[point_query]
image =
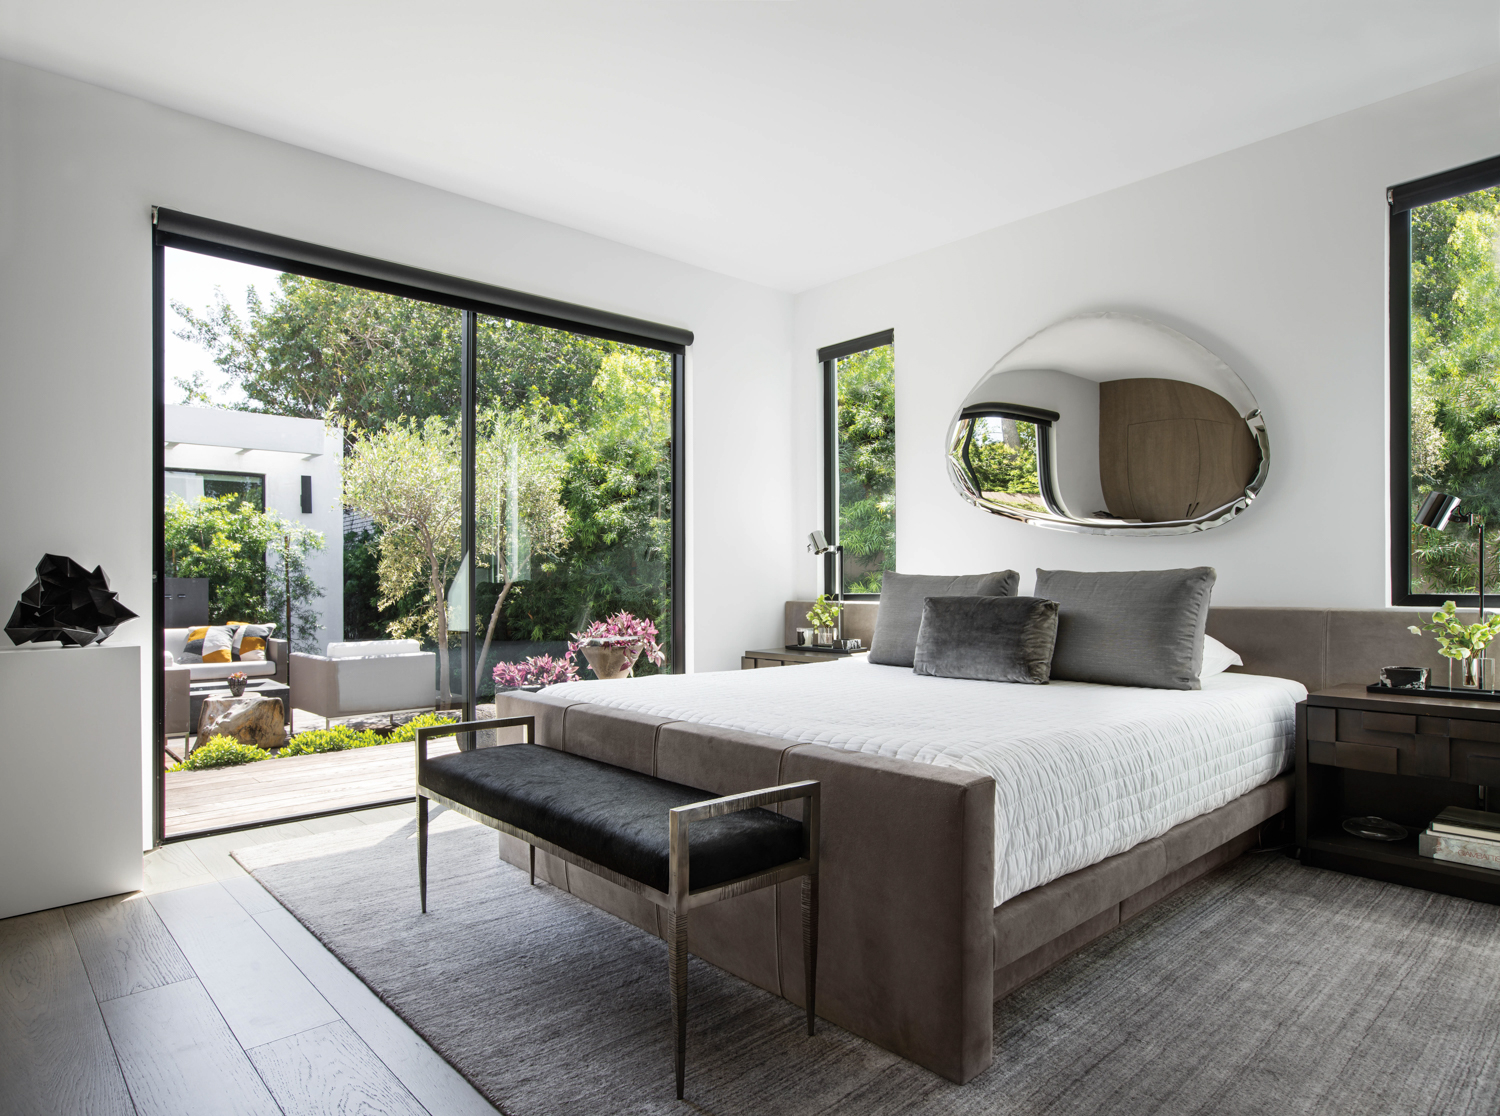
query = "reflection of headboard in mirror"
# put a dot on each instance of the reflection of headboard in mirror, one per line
(1170, 450)
(1149, 432)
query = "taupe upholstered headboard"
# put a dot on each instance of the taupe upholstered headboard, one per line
(1319, 647)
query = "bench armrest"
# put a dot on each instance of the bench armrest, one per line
(437, 732)
(680, 816)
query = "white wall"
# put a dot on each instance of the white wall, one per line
(283, 450)
(1273, 256)
(80, 168)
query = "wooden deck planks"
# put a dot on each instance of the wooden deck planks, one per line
(287, 787)
(55, 1055)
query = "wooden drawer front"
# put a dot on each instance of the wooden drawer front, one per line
(1321, 725)
(1366, 757)
(1388, 722)
(1322, 751)
(1429, 757)
(1474, 730)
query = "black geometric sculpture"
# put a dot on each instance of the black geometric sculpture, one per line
(66, 602)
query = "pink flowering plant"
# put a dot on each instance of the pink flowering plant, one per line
(624, 631)
(539, 670)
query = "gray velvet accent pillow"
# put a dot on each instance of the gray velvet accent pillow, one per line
(900, 617)
(995, 639)
(1143, 628)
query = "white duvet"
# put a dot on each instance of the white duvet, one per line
(1081, 771)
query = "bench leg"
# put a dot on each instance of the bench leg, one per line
(810, 946)
(677, 956)
(533, 864)
(422, 849)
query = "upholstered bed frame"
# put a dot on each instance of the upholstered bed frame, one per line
(913, 952)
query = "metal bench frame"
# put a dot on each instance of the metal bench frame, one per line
(678, 899)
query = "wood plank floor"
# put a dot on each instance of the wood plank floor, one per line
(202, 995)
(287, 787)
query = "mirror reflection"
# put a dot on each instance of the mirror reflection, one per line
(1110, 424)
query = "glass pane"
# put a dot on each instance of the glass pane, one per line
(1002, 459)
(867, 466)
(573, 495)
(282, 388)
(1455, 384)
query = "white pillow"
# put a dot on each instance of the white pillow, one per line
(1217, 658)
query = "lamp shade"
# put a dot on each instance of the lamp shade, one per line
(1436, 510)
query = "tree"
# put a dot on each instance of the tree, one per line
(229, 541)
(406, 478)
(1455, 385)
(867, 466)
(1003, 457)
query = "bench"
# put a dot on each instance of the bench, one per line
(631, 829)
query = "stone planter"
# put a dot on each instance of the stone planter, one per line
(611, 661)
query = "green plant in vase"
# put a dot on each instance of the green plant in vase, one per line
(1459, 641)
(824, 616)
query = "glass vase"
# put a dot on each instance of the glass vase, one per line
(1473, 673)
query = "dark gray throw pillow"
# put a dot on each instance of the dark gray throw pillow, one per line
(994, 639)
(900, 617)
(1141, 628)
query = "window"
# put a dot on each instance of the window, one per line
(1445, 377)
(479, 470)
(859, 479)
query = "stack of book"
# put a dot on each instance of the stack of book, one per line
(1464, 837)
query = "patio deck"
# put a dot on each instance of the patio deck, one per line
(291, 786)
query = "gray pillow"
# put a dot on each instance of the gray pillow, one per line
(900, 617)
(996, 639)
(1143, 628)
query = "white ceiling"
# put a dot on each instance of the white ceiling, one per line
(789, 142)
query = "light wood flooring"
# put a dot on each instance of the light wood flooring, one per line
(290, 786)
(201, 995)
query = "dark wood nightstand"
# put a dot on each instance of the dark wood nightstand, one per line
(1402, 757)
(775, 657)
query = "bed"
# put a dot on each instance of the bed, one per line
(974, 833)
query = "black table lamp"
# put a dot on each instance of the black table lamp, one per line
(819, 545)
(1436, 510)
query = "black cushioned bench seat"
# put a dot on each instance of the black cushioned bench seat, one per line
(613, 816)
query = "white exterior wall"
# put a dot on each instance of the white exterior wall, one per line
(80, 168)
(1273, 256)
(283, 450)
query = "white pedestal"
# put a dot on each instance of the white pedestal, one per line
(70, 776)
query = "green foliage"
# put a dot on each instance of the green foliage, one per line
(242, 551)
(867, 466)
(220, 751)
(1455, 384)
(1003, 457)
(824, 613)
(335, 739)
(591, 419)
(1455, 640)
(408, 732)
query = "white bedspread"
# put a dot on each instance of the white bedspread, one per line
(1081, 772)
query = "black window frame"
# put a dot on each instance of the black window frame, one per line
(829, 357)
(174, 229)
(223, 473)
(1402, 200)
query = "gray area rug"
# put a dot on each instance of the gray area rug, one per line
(1264, 988)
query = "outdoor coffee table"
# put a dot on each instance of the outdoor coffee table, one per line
(267, 688)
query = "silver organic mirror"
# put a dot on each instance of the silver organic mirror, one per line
(1110, 424)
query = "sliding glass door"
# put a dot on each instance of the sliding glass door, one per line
(379, 505)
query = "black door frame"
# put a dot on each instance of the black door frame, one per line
(171, 229)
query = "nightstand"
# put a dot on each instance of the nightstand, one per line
(1402, 757)
(776, 657)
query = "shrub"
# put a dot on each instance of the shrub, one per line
(539, 670)
(220, 751)
(339, 738)
(408, 732)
